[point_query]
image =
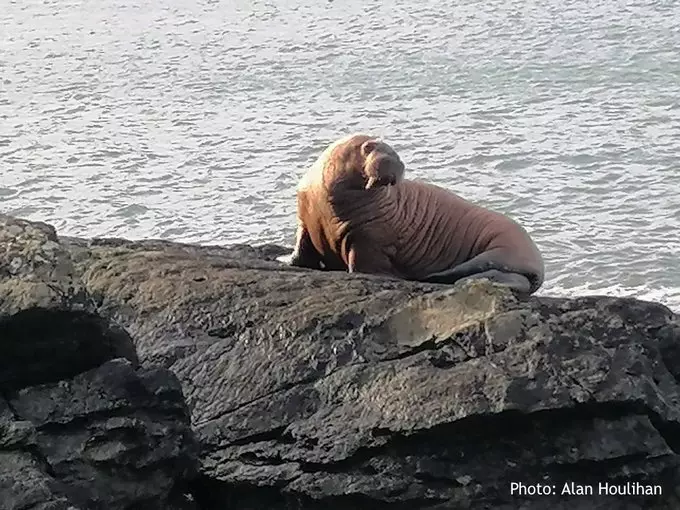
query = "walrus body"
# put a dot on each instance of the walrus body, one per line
(418, 231)
(357, 213)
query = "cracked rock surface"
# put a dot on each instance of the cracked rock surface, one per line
(82, 426)
(313, 389)
(320, 390)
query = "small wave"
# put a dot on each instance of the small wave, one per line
(668, 296)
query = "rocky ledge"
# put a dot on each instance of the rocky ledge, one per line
(159, 375)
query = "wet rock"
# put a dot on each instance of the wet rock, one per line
(49, 328)
(111, 437)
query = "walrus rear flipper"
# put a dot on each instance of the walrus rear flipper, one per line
(517, 282)
(484, 266)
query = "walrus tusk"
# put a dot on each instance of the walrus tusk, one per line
(371, 182)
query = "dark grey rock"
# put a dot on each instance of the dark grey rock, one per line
(113, 436)
(82, 426)
(49, 328)
(313, 389)
(323, 390)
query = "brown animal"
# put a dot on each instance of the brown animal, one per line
(409, 229)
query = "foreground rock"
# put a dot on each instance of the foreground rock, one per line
(81, 426)
(324, 390)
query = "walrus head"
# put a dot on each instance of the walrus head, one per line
(355, 162)
(382, 165)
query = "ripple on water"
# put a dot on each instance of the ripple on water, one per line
(194, 120)
(132, 210)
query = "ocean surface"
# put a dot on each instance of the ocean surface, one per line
(192, 120)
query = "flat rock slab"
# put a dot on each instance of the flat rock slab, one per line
(312, 389)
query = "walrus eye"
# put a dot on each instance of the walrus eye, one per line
(367, 147)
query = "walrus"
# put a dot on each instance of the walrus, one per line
(356, 218)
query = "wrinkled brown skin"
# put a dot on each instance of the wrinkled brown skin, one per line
(418, 231)
(406, 229)
(354, 163)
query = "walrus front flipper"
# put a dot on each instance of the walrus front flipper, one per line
(304, 254)
(364, 258)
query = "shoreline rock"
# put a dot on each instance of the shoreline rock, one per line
(312, 389)
(82, 425)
